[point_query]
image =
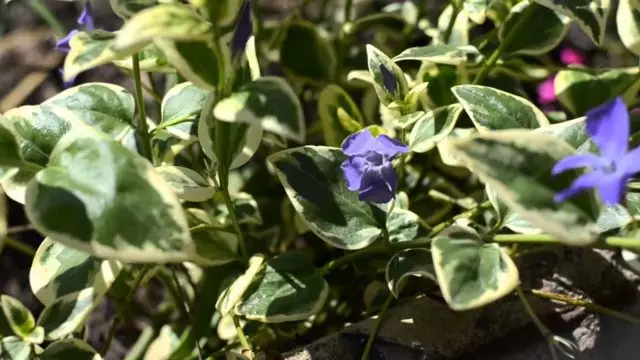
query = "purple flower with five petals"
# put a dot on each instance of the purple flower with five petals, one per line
(368, 169)
(608, 127)
(86, 17)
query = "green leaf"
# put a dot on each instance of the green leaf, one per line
(472, 274)
(174, 22)
(220, 12)
(580, 91)
(127, 8)
(459, 32)
(306, 54)
(70, 349)
(104, 106)
(440, 79)
(404, 225)
(493, 109)
(375, 59)
(200, 62)
(442, 54)
(315, 184)
(238, 142)
(187, 184)
(517, 165)
(628, 24)
(213, 247)
(406, 264)
(289, 289)
(87, 51)
(232, 295)
(476, 9)
(434, 126)
(92, 188)
(67, 314)
(58, 270)
(151, 58)
(38, 129)
(574, 132)
(546, 29)
(21, 320)
(13, 348)
(331, 100)
(268, 101)
(245, 206)
(180, 109)
(590, 15)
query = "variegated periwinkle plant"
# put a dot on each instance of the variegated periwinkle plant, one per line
(240, 178)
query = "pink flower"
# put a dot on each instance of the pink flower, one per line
(570, 56)
(546, 95)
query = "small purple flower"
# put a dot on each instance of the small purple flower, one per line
(389, 80)
(243, 30)
(608, 128)
(63, 44)
(569, 56)
(368, 169)
(86, 17)
(546, 93)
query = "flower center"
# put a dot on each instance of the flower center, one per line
(375, 159)
(609, 168)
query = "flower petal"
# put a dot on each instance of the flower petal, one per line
(611, 190)
(629, 165)
(546, 92)
(389, 146)
(63, 44)
(374, 188)
(577, 161)
(608, 127)
(358, 143)
(86, 17)
(569, 56)
(243, 31)
(586, 181)
(353, 168)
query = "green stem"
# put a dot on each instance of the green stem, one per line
(546, 333)
(387, 248)
(143, 131)
(452, 21)
(41, 8)
(609, 242)
(586, 304)
(511, 36)
(375, 328)
(348, 9)
(123, 310)
(183, 303)
(465, 215)
(234, 220)
(204, 227)
(18, 246)
(243, 338)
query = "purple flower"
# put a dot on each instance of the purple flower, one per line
(546, 94)
(608, 128)
(368, 167)
(86, 17)
(63, 44)
(243, 31)
(66, 84)
(389, 80)
(570, 56)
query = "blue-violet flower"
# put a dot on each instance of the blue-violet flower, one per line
(608, 127)
(243, 30)
(85, 20)
(368, 169)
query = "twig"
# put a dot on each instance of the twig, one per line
(18, 246)
(184, 303)
(376, 327)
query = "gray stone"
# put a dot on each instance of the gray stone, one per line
(425, 328)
